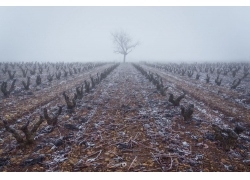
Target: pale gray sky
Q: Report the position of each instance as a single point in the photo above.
(165, 33)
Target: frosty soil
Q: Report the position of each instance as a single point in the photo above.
(124, 124)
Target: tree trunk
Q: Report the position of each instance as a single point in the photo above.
(124, 57)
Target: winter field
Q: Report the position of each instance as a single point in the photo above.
(139, 117)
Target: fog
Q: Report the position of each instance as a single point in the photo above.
(175, 34)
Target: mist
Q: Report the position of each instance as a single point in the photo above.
(166, 34)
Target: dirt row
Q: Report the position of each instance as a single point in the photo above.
(211, 100)
(224, 88)
(15, 108)
(124, 124)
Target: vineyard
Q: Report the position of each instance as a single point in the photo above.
(128, 117)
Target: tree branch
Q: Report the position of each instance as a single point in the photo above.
(123, 43)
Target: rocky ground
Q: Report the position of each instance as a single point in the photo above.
(125, 124)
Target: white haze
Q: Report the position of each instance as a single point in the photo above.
(176, 34)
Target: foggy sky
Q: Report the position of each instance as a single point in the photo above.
(165, 33)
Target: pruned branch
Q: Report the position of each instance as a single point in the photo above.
(26, 85)
(52, 121)
(4, 88)
(70, 104)
(13, 132)
(29, 134)
(235, 83)
(79, 92)
(187, 112)
(38, 80)
(176, 102)
(227, 137)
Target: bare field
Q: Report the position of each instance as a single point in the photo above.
(137, 117)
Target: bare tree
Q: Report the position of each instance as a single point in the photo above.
(123, 43)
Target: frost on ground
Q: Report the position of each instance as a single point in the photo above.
(125, 124)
